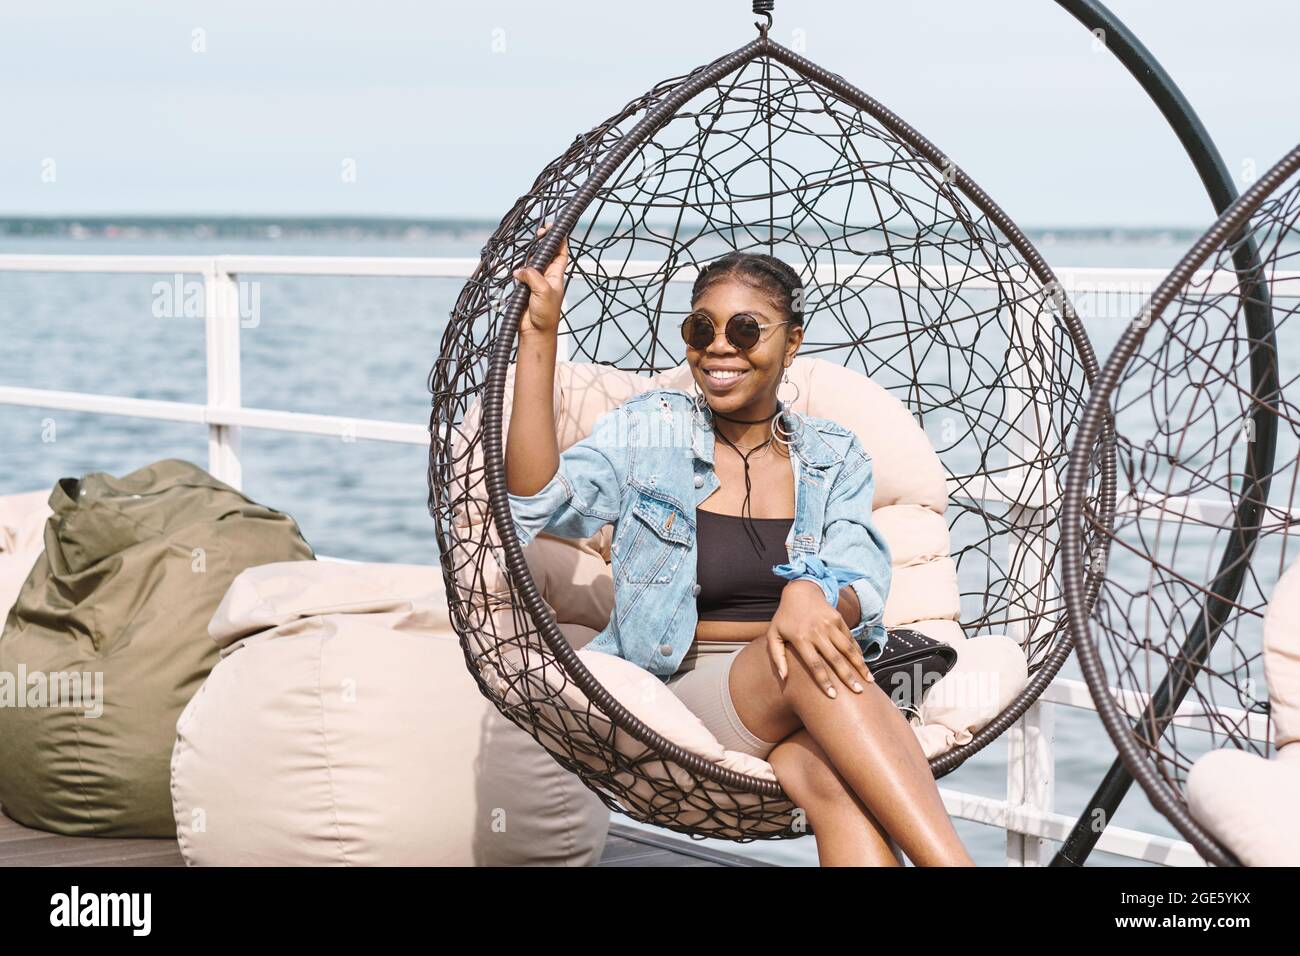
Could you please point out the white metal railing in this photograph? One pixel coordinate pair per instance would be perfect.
(1028, 816)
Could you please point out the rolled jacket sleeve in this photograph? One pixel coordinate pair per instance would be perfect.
(584, 494)
(853, 552)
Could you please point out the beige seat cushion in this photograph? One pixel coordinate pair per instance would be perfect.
(1247, 802)
(342, 727)
(990, 672)
(910, 501)
(656, 783)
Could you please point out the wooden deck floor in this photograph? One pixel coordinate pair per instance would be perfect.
(21, 846)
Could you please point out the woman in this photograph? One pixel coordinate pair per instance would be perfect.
(767, 654)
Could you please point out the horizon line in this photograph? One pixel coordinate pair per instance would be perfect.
(448, 221)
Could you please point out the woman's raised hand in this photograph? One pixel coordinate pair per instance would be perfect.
(546, 291)
(818, 634)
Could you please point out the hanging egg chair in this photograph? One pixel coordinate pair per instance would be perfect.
(1185, 614)
(915, 282)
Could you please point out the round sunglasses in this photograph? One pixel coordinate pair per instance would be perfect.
(743, 330)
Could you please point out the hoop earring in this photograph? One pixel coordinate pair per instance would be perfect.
(797, 393)
(785, 435)
(788, 436)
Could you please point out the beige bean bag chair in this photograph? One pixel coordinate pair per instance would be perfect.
(1250, 804)
(340, 727)
(22, 538)
(575, 581)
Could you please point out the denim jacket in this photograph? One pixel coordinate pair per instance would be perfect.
(645, 467)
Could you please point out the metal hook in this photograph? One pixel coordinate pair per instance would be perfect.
(763, 8)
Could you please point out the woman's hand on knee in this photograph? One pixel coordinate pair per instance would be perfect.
(818, 634)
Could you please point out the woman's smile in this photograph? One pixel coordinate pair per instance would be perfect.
(721, 379)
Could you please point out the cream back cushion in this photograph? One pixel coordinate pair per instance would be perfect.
(1282, 658)
(1247, 802)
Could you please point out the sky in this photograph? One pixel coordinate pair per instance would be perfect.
(439, 109)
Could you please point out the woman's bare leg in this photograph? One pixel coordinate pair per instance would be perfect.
(868, 741)
(846, 832)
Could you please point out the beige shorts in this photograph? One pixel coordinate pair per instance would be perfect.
(701, 683)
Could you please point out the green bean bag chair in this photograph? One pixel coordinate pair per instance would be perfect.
(109, 640)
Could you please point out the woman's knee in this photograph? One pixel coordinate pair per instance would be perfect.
(804, 770)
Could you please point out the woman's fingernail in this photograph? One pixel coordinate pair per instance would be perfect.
(857, 687)
(831, 691)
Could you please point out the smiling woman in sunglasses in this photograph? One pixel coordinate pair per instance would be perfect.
(747, 571)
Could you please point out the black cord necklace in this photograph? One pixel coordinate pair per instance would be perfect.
(754, 538)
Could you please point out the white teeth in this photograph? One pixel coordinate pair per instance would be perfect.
(717, 373)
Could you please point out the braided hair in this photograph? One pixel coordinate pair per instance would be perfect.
(765, 272)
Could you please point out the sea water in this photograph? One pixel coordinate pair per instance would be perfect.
(362, 348)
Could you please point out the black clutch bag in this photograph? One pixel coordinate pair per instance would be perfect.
(910, 665)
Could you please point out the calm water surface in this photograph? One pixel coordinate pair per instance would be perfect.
(362, 348)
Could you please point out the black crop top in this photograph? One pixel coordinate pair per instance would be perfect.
(736, 581)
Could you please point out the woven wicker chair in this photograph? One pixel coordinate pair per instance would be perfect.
(1199, 393)
(913, 277)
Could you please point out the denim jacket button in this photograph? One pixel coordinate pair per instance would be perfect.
(666, 650)
(699, 481)
(695, 589)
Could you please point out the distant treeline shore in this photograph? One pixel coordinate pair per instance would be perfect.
(268, 227)
(277, 227)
